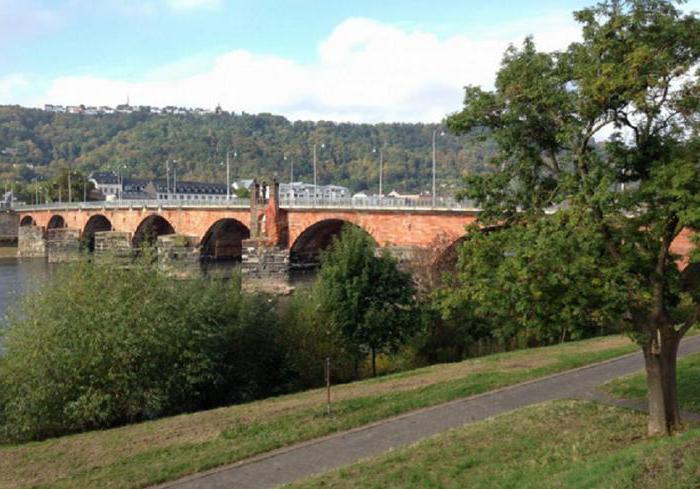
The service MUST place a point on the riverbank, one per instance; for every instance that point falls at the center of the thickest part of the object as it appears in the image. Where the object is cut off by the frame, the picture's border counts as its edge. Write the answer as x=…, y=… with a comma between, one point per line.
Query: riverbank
x=148, y=453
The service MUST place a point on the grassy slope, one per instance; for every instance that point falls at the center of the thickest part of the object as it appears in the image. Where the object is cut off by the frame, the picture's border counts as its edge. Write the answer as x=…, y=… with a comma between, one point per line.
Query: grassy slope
x=634, y=386
x=152, y=452
x=562, y=444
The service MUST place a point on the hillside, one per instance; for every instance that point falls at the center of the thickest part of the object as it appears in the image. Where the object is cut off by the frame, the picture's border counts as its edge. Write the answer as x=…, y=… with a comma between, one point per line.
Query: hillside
x=36, y=144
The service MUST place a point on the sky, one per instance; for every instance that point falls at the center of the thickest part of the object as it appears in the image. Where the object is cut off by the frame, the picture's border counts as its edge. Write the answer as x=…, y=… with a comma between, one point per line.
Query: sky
x=352, y=60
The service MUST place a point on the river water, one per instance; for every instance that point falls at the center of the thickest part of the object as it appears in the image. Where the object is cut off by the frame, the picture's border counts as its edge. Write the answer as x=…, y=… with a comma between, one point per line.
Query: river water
x=17, y=277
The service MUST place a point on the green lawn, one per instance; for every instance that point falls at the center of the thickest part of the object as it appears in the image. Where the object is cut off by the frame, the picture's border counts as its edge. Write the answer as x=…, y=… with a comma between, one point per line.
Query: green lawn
x=634, y=386
x=560, y=444
x=148, y=453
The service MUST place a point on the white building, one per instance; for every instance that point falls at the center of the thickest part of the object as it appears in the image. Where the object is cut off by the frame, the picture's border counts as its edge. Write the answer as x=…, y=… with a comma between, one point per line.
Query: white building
x=301, y=190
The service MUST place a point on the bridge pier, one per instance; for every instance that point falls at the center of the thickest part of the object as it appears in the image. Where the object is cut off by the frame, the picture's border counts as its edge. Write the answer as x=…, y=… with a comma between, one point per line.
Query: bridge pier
x=113, y=245
x=31, y=242
x=63, y=245
x=178, y=255
x=265, y=268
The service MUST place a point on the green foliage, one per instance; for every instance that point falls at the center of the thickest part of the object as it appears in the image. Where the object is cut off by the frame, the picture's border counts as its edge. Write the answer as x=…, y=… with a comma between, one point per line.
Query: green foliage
x=310, y=338
x=41, y=143
x=633, y=74
x=537, y=284
x=364, y=295
x=102, y=345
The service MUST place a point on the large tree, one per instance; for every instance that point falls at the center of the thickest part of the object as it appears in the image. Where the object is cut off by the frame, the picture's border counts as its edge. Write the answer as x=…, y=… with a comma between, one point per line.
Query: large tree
x=608, y=127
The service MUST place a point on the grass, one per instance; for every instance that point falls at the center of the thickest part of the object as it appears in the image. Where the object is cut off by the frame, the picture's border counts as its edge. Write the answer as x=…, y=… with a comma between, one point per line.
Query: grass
x=634, y=386
x=157, y=451
x=560, y=444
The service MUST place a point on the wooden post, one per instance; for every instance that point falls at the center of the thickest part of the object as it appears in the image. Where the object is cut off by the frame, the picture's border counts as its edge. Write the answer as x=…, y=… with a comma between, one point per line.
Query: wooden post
x=328, y=385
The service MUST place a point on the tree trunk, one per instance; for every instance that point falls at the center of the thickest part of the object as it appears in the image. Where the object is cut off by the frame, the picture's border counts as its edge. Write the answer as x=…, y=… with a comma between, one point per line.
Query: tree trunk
x=374, y=362
x=660, y=363
x=669, y=358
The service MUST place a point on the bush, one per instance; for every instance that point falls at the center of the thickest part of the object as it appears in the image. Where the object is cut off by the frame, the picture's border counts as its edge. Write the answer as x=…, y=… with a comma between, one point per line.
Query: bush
x=101, y=345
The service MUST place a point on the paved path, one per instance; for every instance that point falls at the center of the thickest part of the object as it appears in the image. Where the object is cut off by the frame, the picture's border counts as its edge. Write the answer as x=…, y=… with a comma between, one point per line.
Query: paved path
x=285, y=465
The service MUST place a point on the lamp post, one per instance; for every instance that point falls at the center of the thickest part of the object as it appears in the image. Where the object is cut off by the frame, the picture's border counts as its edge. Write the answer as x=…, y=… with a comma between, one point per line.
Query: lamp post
x=70, y=193
x=167, y=179
x=381, y=170
x=174, y=177
x=291, y=167
x=435, y=133
x=228, y=178
x=315, y=173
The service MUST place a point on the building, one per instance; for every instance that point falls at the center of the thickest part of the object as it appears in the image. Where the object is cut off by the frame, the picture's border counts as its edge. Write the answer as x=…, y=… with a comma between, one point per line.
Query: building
x=114, y=187
x=301, y=190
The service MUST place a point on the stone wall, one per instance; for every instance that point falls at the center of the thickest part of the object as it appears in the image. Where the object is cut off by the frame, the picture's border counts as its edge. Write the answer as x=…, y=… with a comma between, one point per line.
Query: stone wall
x=265, y=268
x=113, y=245
x=31, y=242
x=178, y=255
x=63, y=245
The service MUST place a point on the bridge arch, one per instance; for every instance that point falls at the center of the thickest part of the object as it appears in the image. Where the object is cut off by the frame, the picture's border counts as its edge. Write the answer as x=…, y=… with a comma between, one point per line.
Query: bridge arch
x=306, y=250
x=150, y=228
x=27, y=221
x=56, y=222
x=223, y=241
x=95, y=224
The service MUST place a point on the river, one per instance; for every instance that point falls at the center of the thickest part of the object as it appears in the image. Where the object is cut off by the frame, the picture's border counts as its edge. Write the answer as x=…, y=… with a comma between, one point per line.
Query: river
x=17, y=277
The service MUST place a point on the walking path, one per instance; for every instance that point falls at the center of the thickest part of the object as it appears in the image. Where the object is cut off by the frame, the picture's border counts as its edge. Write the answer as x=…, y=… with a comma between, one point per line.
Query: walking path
x=285, y=465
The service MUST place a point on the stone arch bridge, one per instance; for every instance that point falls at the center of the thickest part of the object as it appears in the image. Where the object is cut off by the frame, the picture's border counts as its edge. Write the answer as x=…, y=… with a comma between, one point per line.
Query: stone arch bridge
x=271, y=239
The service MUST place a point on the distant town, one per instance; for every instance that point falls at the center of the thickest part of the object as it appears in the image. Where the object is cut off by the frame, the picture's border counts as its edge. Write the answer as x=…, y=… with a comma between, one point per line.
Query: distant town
x=128, y=109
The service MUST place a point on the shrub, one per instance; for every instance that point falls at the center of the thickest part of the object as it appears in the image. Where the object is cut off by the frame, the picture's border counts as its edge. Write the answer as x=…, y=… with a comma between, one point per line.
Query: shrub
x=102, y=345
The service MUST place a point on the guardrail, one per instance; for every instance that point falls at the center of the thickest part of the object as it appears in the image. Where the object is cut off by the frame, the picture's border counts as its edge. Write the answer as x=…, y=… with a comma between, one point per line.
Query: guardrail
x=305, y=203
x=387, y=203
x=138, y=204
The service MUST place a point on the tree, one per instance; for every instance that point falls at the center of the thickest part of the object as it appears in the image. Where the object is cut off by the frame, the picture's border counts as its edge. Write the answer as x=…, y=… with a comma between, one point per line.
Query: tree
x=534, y=284
x=364, y=295
x=609, y=128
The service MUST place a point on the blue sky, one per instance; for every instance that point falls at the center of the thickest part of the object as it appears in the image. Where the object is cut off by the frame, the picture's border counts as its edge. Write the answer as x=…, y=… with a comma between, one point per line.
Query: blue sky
x=354, y=60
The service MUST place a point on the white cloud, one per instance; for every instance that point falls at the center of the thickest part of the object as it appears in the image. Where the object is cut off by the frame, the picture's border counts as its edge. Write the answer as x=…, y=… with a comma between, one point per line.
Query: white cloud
x=366, y=71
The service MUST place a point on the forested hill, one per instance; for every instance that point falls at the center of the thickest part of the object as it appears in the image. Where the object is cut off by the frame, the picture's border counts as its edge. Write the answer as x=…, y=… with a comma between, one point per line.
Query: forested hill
x=37, y=144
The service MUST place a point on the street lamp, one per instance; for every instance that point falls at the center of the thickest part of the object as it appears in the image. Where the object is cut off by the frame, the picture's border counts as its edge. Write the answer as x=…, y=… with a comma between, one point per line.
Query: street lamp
x=381, y=169
x=291, y=168
x=315, y=173
x=435, y=133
